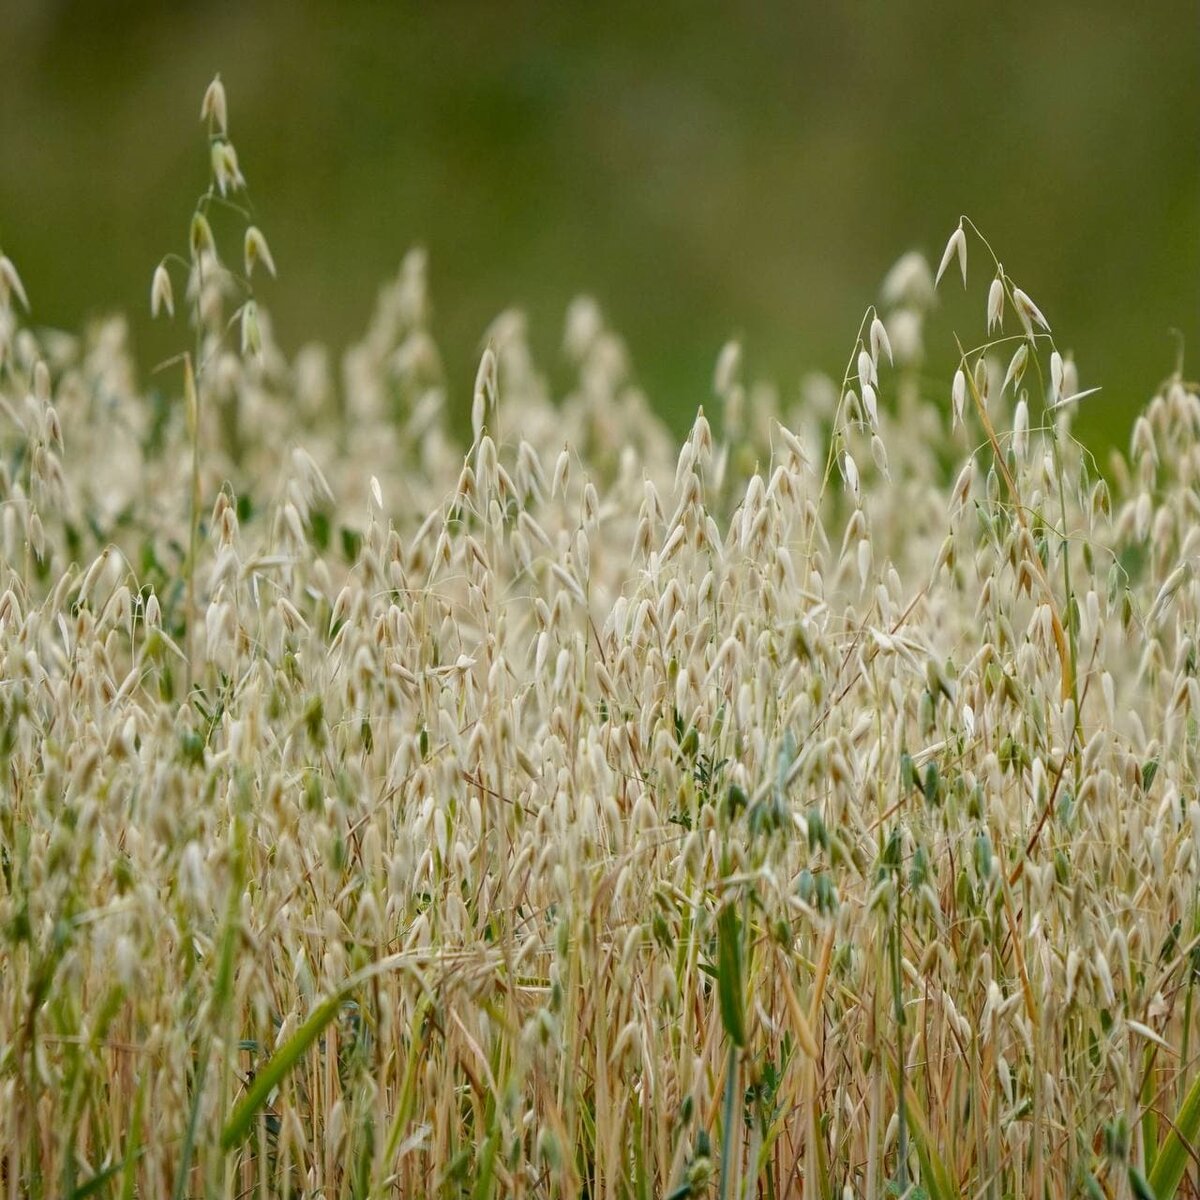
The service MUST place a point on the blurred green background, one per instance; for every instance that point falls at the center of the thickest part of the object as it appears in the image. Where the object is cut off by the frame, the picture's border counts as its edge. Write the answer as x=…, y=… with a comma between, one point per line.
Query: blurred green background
x=703, y=170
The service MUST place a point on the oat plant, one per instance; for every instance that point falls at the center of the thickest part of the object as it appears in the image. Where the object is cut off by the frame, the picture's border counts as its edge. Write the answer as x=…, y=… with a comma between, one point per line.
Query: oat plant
x=803, y=808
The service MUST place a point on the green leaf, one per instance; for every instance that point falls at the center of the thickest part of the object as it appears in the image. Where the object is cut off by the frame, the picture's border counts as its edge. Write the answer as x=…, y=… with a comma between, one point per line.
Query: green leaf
x=92, y=1186
x=351, y=543
x=238, y=1127
x=931, y=787
x=730, y=985
x=486, y=1166
x=319, y=522
x=1172, y=1157
x=936, y=1178
x=1138, y=1185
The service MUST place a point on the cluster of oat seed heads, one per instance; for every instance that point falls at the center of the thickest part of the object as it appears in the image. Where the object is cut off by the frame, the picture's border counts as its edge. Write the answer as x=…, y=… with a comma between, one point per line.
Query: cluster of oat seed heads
x=227, y=181
x=515, y=725
x=1003, y=293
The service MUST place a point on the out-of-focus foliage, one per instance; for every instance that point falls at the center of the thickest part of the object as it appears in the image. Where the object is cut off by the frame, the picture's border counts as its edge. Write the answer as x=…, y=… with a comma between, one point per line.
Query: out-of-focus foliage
x=705, y=173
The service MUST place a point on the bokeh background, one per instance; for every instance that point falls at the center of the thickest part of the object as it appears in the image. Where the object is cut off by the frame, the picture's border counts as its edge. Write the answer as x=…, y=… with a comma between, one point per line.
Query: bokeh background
x=703, y=170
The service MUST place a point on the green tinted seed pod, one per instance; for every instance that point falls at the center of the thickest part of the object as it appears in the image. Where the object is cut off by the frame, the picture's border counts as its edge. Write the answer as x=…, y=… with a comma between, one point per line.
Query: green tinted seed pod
x=827, y=897
x=690, y=746
x=993, y=485
x=818, y=835
x=735, y=801
x=1062, y=868
x=981, y=379
x=927, y=715
x=983, y=856
x=548, y=1148
x=919, y=871
x=975, y=803
x=931, y=787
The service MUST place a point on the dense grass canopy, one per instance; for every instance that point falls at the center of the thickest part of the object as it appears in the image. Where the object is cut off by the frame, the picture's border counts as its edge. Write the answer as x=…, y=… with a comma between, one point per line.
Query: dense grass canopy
x=806, y=807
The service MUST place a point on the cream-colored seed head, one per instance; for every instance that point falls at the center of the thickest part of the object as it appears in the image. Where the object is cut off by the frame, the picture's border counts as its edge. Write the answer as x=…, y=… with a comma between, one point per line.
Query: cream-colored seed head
x=162, y=295
x=214, y=108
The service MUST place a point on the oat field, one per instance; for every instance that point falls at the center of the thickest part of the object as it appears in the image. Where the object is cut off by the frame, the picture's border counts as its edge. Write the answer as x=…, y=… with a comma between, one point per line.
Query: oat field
x=804, y=810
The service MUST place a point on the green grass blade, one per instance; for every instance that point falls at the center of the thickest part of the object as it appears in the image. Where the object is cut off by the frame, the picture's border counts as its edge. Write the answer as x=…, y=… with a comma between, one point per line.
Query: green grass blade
x=95, y=1184
x=1172, y=1157
x=134, y=1149
x=237, y=1128
x=486, y=1166
x=935, y=1175
x=730, y=987
x=728, y=1166
x=1150, y=1128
